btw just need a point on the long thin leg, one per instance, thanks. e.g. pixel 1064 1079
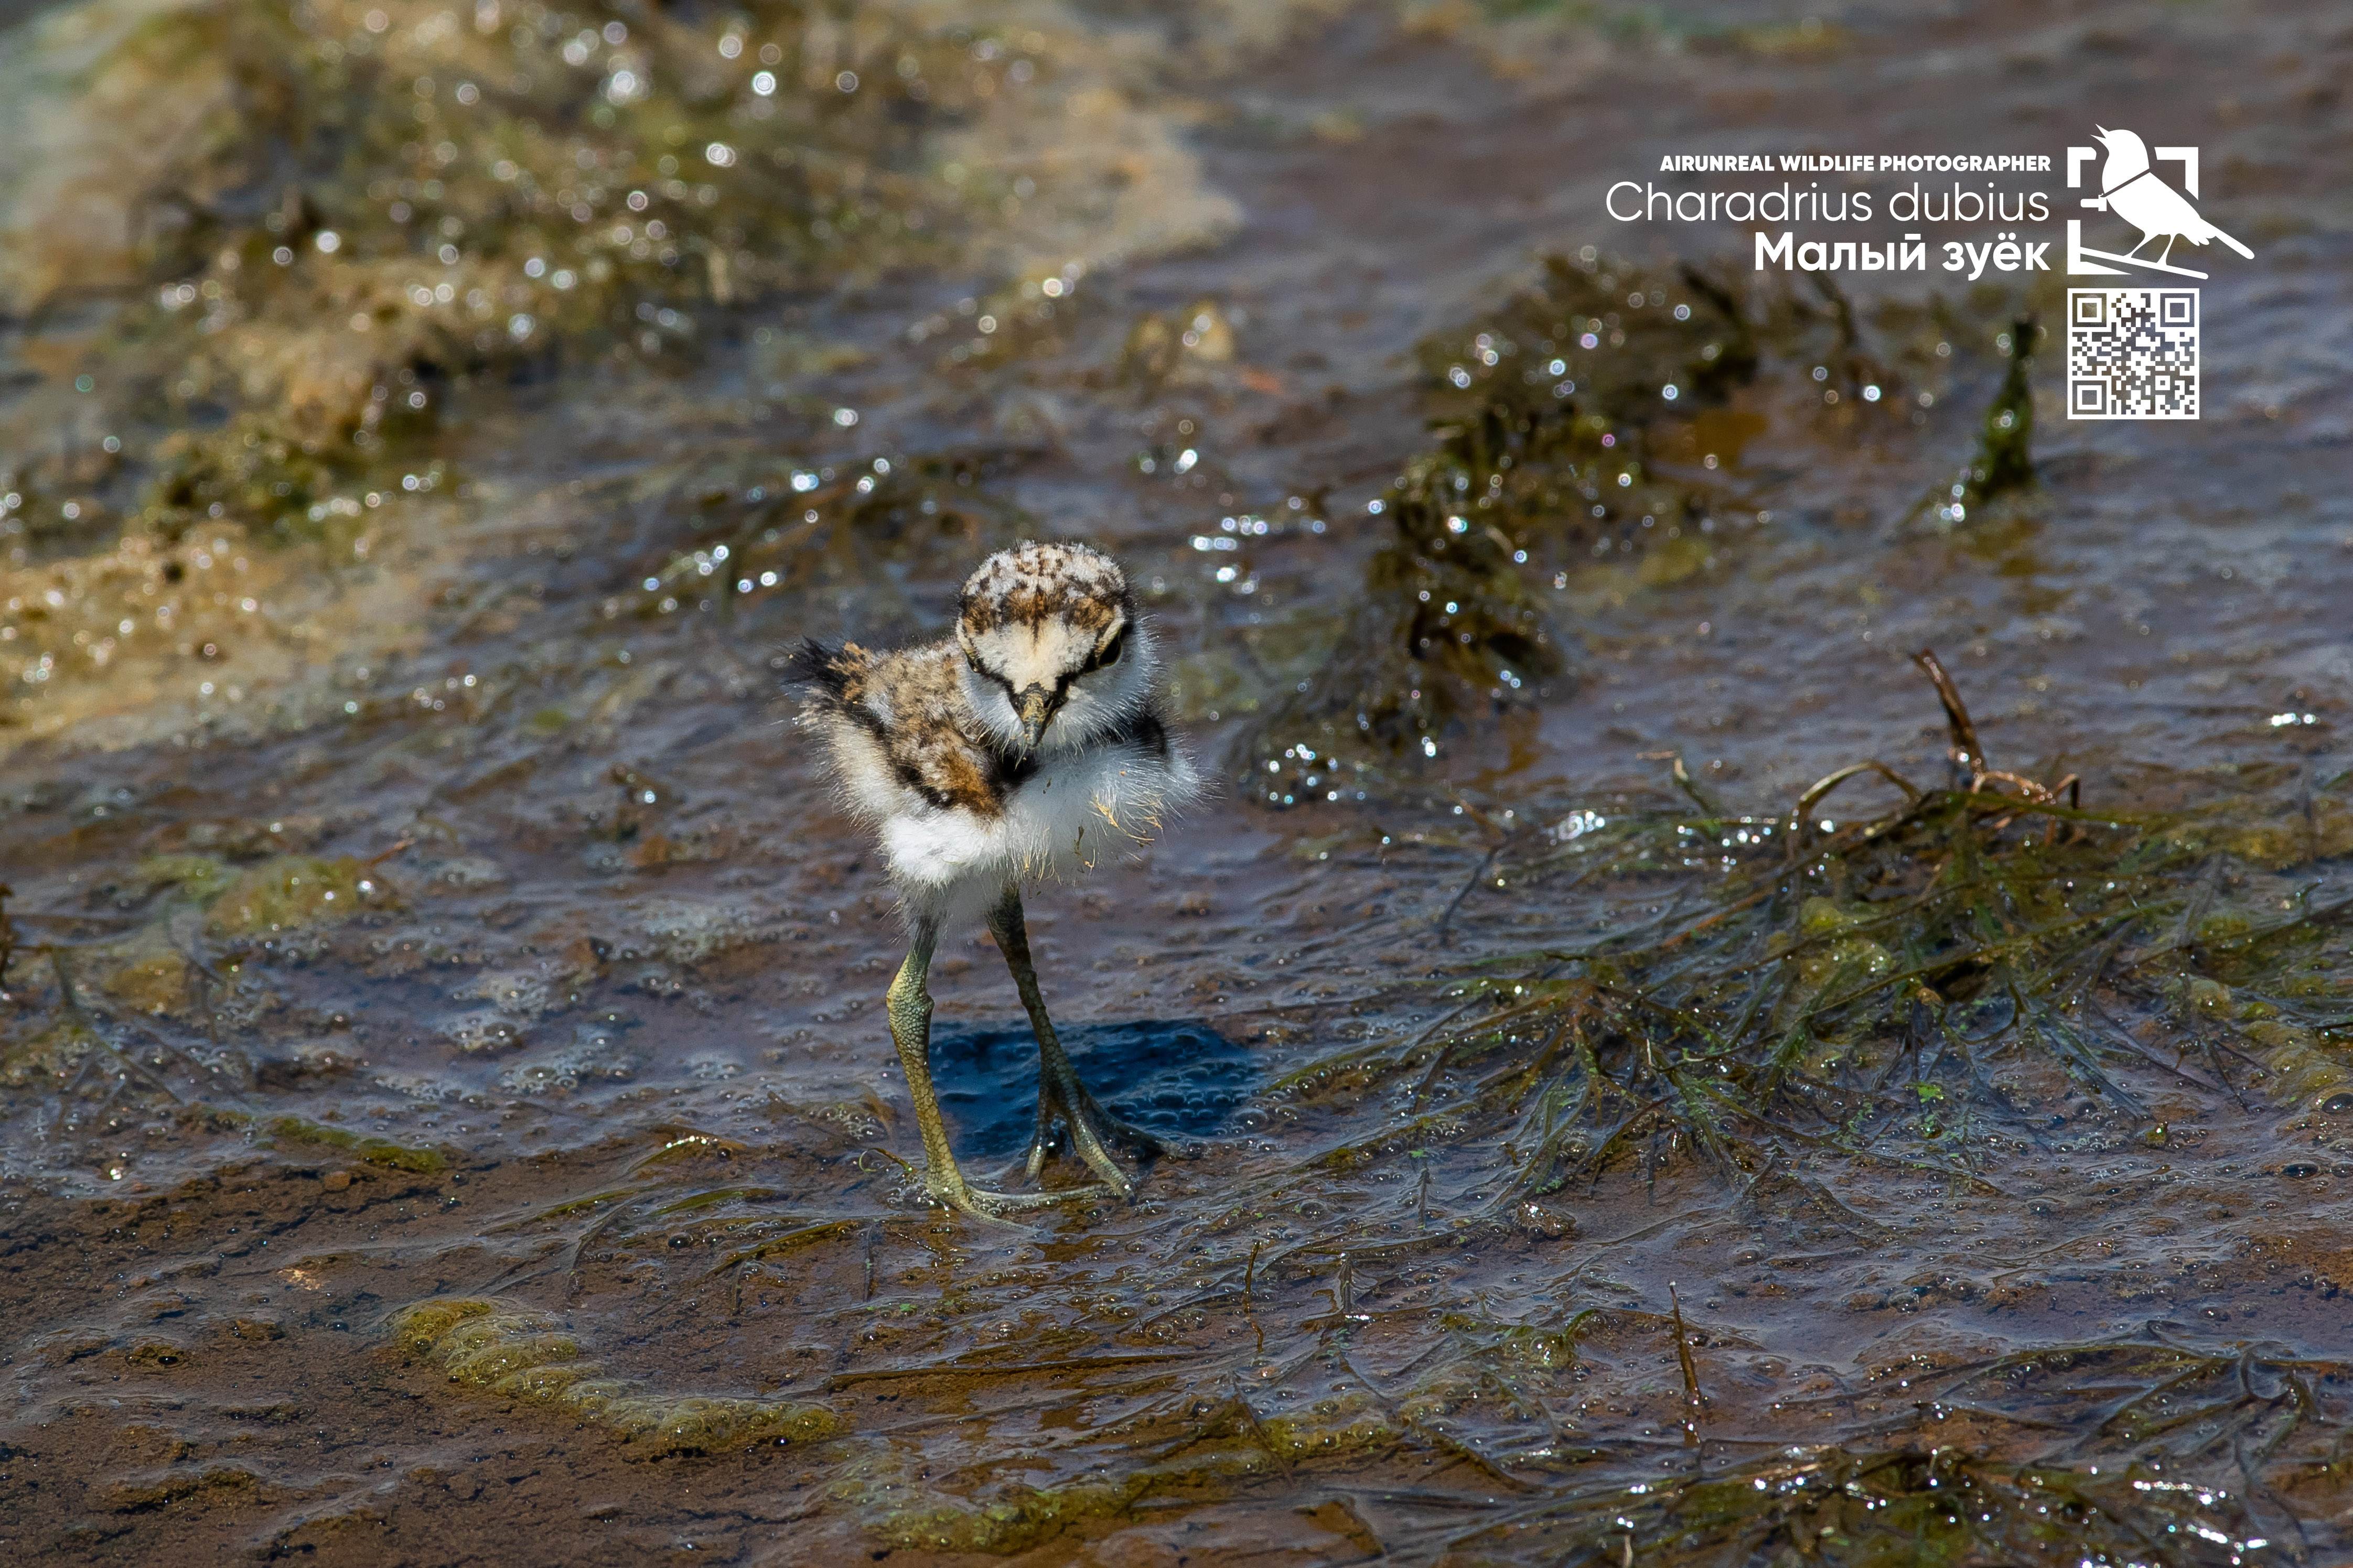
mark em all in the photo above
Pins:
pixel 1060 1092
pixel 909 1003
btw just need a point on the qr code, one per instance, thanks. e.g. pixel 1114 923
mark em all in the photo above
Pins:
pixel 2132 353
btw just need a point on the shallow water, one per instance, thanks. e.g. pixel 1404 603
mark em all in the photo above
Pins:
pixel 468 927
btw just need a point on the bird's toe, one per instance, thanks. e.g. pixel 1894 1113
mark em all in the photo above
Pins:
pixel 998 1206
pixel 951 1191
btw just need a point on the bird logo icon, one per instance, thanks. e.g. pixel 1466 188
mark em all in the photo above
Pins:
pixel 2130 187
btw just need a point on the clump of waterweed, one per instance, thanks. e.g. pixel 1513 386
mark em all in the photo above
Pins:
pixel 2004 463
pixel 1546 421
pixel 416 194
pixel 504 1348
pixel 1846 981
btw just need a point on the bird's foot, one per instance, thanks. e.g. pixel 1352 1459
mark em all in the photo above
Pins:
pixel 949 1190
pixel 1094 1132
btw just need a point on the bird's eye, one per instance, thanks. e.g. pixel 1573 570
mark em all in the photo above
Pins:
pixel 1109 653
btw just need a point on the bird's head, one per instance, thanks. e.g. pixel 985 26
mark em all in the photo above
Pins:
pixel 1053 653
pixel 2125 146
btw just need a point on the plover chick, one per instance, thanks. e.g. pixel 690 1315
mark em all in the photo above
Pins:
pixel 1027 748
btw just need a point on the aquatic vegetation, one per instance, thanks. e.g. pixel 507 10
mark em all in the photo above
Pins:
pixel 251 467
pixel 176 1488
pixel 109 618
pixel 342 213
pixel 1176 348
pixel 503 1348
pixel 587 168
pixel 2004 463
pixel 1224 1446
pixel 1868 980
pixel 410 197
pixel 2161 1425
pixel 298 1133
pixel 2005 458
pixel 1548 422
pixel 294 892
pixel 152 974
pixel 364 205
pixel 1222 1461
pixel 2100 1446
pixel 49 1055
pixel 1600 419
pixel 760 526
pixel 153 970
pixel 1909 1506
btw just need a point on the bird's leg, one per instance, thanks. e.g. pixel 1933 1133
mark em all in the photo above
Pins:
pixel 1060 1092
pixel 2169 249
pixel 909 1003
pixel 2135 250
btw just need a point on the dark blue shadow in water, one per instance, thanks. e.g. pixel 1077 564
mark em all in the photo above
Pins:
pixel 1178 1077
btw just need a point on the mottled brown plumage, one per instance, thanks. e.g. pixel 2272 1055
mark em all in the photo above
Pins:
pixel 912 703
pixel 1033 584
pixel 1027 747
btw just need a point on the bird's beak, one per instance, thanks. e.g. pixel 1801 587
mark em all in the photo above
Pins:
pixel 1036 706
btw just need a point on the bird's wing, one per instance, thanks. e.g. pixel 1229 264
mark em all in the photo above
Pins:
pixel 2154 207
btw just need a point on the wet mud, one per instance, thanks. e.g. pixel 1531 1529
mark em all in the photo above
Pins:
pixel 1653 1074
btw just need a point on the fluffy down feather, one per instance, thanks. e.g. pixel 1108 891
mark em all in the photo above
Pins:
pixel 958 809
